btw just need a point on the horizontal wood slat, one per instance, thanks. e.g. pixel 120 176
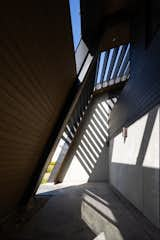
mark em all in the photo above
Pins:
pixel 35 48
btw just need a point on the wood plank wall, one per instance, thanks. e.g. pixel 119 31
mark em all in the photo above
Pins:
pixel 37 70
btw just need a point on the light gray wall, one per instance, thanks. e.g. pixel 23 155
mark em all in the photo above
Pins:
pixel 134 165
pixel 131 166
pixel 79 165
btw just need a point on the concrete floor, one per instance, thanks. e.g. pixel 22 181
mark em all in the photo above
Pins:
pixel 86 212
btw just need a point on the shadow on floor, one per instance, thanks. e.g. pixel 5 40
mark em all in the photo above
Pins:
pixel 88 211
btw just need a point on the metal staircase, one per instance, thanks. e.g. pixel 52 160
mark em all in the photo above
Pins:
pixel 104 75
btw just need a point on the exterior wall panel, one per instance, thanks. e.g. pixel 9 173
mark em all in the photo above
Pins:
pixel 34 84
pixel 142 92
pixel 134 165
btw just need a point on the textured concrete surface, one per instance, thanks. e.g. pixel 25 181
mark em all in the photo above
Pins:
pixel 135 163
pixel 86 212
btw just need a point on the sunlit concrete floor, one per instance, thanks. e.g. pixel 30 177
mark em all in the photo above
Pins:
pixel 86 212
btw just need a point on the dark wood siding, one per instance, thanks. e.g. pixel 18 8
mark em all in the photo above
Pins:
pixel 37 71
pixel 142 91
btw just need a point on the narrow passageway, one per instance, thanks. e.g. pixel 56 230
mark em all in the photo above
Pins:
pixel 80 120
pixel 86 211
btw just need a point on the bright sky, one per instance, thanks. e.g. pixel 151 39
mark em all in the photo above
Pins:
pixel 76 21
